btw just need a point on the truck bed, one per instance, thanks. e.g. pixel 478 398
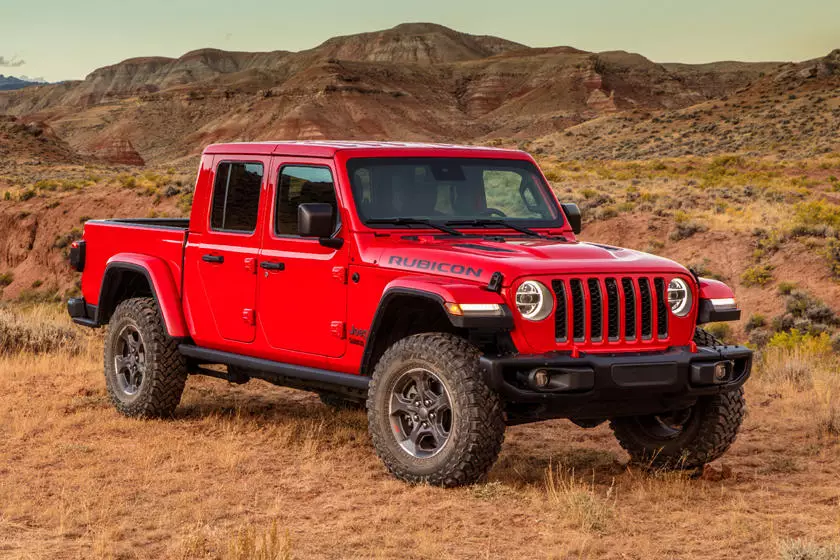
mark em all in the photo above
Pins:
pixel 164 238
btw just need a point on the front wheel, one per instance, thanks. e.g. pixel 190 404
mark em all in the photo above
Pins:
pixel 432 417
pixel 683 439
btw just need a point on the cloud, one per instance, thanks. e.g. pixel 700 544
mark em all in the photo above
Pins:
pixel 13 62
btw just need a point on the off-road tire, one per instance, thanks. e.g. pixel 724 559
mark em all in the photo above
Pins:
pixel 340 402
pixel 478 425
pixel 165 368
pixel 711 428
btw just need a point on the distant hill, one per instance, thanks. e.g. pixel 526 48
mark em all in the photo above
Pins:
pixel 8 83
pixel 416 81
pixel 786 110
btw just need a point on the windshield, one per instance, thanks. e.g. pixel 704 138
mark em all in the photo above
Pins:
pixel 443 190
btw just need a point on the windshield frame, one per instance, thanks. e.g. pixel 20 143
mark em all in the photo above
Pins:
pixel 524 164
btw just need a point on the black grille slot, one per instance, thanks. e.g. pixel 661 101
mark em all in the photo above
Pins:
pixel 561 322
pixel 661 308
pixel 629 308
pixel 578 310
pixel 596 312
pixel 612 308
pixel 647 307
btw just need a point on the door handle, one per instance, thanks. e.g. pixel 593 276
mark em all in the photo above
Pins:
pixel 269 265
pixel 213 258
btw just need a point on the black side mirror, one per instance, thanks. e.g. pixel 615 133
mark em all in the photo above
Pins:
pixel 315 219
pixel 572 213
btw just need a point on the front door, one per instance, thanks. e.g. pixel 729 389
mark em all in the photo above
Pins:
pixel 225 253
pixel 302 292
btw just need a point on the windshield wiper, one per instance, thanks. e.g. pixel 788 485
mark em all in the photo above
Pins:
pixel 414 222
pixel 485 222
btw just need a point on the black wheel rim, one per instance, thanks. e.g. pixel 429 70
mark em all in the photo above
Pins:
pixel 666 426
pixel 130 361
pixel 420 411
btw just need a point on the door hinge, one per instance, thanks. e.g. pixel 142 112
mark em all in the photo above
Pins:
pixel 337 328
pixel 248 316
pixel 340 274
pixel 251 265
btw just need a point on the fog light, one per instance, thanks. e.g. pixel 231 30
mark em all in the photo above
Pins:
pixel 711 373
pixel 541 378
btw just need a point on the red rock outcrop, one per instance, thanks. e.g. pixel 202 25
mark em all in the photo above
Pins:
pixel 120 151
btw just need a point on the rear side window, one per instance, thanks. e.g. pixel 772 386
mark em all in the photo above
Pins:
pixel 236 196
pixel 300 184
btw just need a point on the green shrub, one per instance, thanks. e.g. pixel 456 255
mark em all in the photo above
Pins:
pixel 64 241
pixel 817 213
pixel 800 304
pixel 721 331
pixel 785 288
pixel 702 269
pixel 686 229
pixel 818 344
pixel 832 255
pixel 755 322
pixel 33 296
pixel 6 278
pixel 759 275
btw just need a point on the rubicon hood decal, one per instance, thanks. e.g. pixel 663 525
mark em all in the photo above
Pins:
pixel 438 266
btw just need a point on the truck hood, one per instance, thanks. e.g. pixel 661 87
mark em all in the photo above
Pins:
pixel 478 258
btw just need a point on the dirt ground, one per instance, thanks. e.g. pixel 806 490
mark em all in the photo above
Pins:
pixel 257 471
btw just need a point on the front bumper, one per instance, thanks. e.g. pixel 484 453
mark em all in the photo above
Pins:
pixel 599 386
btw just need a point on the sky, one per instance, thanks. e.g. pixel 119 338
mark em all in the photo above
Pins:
pixel 61 39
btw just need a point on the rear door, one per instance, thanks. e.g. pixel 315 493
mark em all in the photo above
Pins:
pixel 302 282
pixel 225 253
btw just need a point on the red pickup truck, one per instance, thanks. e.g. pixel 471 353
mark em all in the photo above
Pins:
pixel 442 287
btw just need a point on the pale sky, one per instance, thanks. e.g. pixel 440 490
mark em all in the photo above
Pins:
pixel 67 39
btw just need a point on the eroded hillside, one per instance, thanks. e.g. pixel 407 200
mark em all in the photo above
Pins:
pixel 412 82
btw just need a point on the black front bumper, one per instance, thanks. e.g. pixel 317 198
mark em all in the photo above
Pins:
pixel 599 386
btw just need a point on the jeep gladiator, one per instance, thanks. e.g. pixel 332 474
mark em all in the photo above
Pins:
pixel 441 287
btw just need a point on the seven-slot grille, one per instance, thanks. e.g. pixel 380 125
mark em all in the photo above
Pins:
pixel 594 309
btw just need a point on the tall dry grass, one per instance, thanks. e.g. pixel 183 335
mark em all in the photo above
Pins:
pixel 40 329
pixel 807 370
pixel 582 502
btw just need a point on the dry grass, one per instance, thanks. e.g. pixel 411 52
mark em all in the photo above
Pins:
pixel 259 472
pixel 580 500
pixel 41 329
pixel 806 550
pixel 809 372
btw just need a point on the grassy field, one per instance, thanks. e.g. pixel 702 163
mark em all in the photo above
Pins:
pixel 261 472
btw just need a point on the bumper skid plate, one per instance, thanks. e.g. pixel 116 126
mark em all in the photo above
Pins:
pixel 607 385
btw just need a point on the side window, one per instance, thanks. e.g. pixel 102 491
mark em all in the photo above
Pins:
pixel 510 192
pixel 299 184
pixel 236 196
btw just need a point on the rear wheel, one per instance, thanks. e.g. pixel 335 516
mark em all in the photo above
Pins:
pixel 144 371
pixel 432 417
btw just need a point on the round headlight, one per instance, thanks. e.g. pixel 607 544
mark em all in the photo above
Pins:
pixel 534 301
pixel 679 297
